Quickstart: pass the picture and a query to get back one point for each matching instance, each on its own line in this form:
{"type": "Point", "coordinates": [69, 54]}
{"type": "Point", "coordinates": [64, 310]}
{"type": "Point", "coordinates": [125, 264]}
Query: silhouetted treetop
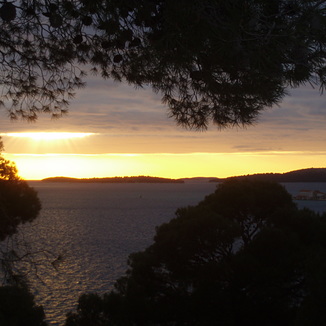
{"type": "Point", "coordinates": [219, 61]}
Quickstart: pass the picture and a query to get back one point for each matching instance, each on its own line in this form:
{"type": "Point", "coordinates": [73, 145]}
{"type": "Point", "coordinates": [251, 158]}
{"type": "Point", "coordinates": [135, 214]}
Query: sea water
{"type": "Point", "coordinates": [85, 232]}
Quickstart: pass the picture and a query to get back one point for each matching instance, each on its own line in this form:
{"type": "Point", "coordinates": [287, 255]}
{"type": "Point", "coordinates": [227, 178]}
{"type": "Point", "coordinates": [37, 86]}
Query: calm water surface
{"type": "Point", "coordinates": [85, 233]}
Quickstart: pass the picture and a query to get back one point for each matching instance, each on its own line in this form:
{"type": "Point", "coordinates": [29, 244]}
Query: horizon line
{"type": "Point", "coordinates": [197, 177]}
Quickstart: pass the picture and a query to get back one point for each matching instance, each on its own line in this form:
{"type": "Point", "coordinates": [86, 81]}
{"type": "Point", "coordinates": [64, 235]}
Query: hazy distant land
{"type": "Point", "coordinates": [136, 179]}
{"type": "Point", "coordinates": [303, 175]}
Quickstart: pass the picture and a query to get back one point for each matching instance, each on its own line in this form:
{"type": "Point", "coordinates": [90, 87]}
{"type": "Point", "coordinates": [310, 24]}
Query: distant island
{"type": "Point", "coordinates": [136, 179]}
{"type": "Point", "coordinates": [303, 175]}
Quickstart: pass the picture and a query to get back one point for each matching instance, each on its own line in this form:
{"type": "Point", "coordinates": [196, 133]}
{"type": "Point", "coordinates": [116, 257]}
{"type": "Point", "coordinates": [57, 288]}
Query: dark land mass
{"type": "Point", "coordinates": [136, 179]}
{"type": "Point", "coordinates": [304, 175]}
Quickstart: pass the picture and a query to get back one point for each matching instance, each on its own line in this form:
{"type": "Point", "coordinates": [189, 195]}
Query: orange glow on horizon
{"type": "Point", "coordinates": [40, 166]}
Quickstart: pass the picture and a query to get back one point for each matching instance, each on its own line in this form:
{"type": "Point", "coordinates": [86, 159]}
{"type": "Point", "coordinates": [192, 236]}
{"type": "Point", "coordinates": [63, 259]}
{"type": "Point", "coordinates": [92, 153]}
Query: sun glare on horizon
{"type": "Point", "coordinates": [50, 135]}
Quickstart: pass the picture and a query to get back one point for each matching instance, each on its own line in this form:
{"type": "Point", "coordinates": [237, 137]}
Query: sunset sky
{"type": "Point", "coordinates": [114, 130]}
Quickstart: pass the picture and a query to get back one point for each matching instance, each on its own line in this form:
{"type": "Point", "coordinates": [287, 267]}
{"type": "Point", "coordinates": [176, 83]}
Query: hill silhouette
{"type": "Point", "coordinates": [303, 175]}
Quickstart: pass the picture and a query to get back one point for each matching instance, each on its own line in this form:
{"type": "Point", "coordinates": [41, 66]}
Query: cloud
{"type": "Point", "coordinates": [305, 106]}
{"type": "Point", "coordinates": [128, 120]}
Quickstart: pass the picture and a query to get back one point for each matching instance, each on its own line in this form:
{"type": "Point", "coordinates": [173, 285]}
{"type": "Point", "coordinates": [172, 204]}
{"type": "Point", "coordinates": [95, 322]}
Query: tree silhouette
{"type": "Point", "coordinates": [19, 202]}
{"type": "Point", "coordinates": [219, 61]}
{"type": "Point", "coordinates": [17, 307]}
{"type": "Point", "coordinates": [245, 255]}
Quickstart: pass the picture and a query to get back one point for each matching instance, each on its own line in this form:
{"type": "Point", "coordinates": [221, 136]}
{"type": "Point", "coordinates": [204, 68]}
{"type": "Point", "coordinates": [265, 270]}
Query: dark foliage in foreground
{"type": "Point", "coordinates": [17, 308]}
{"type": "Point", "coordinates": [19, 202]}
{"type": "Point", "coordinates": [245, 255]}
{"type": "Point", "coordinates": [211, 61]}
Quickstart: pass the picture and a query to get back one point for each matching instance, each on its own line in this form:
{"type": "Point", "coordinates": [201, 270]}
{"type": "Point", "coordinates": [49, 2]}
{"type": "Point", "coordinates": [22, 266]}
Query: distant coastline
{"type": "Point", "coordinates": [303, 175]}
{"type": "Point", "coordinates": [135, 179]}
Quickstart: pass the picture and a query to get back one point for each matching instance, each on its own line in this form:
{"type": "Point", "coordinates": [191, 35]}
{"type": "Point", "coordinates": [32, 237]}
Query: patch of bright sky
{"type": "Point", "coordinates": [38, 166]}
{"type": "Point", "coordinates": [48, 135]}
